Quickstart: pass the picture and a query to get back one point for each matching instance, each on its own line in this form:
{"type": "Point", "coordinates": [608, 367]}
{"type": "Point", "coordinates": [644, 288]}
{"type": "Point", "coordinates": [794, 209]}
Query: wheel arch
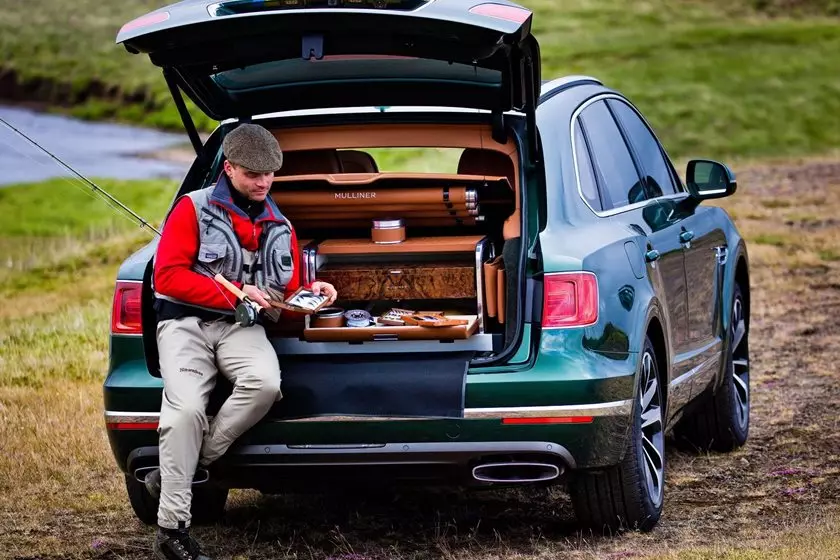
{"type": "Point", "coordinates": [655, 331]}
{"type": "Point", "coordinates": [742, 278]}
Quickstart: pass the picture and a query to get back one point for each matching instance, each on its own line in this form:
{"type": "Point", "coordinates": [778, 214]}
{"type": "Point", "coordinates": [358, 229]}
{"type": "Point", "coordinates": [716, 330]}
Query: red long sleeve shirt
{"type": "Point", "coordinates": [178, 251]}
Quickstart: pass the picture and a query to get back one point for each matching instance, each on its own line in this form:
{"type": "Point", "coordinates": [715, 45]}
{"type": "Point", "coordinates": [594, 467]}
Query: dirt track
{"type": "Point", "coordinates": [786, 476]}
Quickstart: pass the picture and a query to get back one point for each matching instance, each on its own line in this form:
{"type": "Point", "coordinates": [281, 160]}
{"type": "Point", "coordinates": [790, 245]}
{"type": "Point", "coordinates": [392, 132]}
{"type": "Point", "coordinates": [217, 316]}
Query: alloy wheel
{"type": "Point", "coordinates": [652, 433]}
{"type": "Point", "coordinates": [740, 363]}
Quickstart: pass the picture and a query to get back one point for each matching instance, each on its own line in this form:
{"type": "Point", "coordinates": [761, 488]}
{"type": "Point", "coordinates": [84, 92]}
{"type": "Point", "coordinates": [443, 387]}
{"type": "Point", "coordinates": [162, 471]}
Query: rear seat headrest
{"type": "Point", "coordinates": [476, 161]}
{"type": "Point", "coordinates": [357, 161]}
{"type": "Point", "coordinates": [310, 162]}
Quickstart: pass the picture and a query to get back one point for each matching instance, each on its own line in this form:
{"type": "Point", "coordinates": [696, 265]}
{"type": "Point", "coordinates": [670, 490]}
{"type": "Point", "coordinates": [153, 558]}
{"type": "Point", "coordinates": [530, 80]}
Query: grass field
{"type": "Point", "coordinates": [744, 77]}
{"type": "Point", "coordinates": [61, 495]}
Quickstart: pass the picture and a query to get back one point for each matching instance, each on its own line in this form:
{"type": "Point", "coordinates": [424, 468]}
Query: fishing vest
{"type": "Point", "coordinates": [220, 252]}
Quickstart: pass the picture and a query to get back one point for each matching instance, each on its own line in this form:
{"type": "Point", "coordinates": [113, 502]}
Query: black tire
{"type": "Point", "coordinates": [722, 421]}
{"type": "Point", "coordinates": [207, 508]}
{"type": "Point", "coordinates": [144, 505]}
{"type": "Point", "coordinates": [628, 495]}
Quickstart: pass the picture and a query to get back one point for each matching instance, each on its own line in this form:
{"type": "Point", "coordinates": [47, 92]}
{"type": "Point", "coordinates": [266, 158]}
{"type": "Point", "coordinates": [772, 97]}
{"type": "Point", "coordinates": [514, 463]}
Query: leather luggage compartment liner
{"type": "Point", "coordinates": [419, 198]}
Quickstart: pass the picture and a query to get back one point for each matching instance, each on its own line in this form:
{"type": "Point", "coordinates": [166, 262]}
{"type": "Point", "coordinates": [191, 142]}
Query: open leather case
{"type": "Point", "coordinates": [444, 273]}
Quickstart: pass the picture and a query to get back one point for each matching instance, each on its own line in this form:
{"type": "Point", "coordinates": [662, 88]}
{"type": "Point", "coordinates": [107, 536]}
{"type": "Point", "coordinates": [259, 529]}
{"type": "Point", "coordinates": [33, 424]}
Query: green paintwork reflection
{"type": "Point", "coordinates": [612, 343]}
{"type": "Point", "coordinates": [523, 353]}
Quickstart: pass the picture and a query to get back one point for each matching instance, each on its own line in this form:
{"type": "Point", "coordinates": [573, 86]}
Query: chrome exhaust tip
{"type": "Point", "coordinates": [516, 472]}
{"type": "Point", "coordinates": [202, 475]}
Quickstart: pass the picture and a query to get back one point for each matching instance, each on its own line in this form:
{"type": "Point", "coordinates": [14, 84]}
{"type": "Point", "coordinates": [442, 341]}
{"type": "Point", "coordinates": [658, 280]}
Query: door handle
{"type": "Point", "coordinates": [652, 255]}
{"type": "Point", "coordinates": [686, 236]}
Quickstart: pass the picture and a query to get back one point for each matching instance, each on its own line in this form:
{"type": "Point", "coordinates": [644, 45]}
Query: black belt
{"type": "Point", "coordinates": [170, 310]}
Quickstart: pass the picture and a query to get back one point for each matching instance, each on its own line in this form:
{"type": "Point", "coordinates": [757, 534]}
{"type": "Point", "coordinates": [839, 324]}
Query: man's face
{"type": "Point", "coordinates": [252, 184]}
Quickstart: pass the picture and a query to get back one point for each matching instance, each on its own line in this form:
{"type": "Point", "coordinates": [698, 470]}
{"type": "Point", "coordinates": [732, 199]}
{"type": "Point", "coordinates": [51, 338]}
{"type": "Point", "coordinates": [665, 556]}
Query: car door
{"type": "Point", "coordinates": [694, 233]}
{"type": "Point", "coordinates": [623, 196]}
{"type": "Point", "coordinates": [705, 254]}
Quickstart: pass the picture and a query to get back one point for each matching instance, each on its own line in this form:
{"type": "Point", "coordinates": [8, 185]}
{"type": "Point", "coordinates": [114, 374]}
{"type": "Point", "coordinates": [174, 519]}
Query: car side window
{"type": "Point", "coordinates": [617, 176]}
{"type": "Point", "coordinates": [586, 174]}
{"type": "Point", "coordinates": [647, 149]}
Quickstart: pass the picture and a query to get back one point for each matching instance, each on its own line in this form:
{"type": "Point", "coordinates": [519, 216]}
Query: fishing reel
{"type": "Point", "coordinates": [246, 313]}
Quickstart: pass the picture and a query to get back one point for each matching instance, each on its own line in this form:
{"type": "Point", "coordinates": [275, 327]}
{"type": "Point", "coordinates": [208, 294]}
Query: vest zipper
{"type": "Point", "coordinates": [232, 242]}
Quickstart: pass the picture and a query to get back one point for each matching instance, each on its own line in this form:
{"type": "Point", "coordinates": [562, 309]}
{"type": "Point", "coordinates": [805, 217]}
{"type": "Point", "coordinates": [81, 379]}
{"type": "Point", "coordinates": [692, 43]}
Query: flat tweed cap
{"type": "Point", "coordinates": [253, 147]}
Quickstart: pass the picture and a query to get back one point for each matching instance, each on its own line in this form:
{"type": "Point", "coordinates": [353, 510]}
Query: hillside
{"type": "Point", "coordinates": [738, 78]}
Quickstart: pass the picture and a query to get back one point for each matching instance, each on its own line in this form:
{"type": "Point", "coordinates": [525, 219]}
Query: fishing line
{"type": "Point", "coordinates": [111, 201]}
{"type": "Point", "coordinates": [143, 223]}
{"type": "Point", "coordinates": [77, 184]}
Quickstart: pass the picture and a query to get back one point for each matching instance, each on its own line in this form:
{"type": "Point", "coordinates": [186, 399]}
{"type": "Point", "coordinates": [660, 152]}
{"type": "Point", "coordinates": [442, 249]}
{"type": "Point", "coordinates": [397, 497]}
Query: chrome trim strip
{"type": "Point", "coordinates": [615, 408]}
{"type": "Point", "coordinates": [131, 417]}
{"type": "Point", "coordinates": [693, 372]}
{"type": "Point", "coordinates": [558, 82]}
{"type": "Point", "coordinates": [629, 207]}
{"type": "Point", "coordinates": [479, 282]}
{"type": "Point", "coordinates": [479, 342]}
{"type": "Point", "coordinates": [358, 418]}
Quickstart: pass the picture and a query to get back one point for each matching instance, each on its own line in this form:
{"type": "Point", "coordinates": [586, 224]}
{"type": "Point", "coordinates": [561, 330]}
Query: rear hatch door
{"type": "Point", "coordinates": [240, 58]}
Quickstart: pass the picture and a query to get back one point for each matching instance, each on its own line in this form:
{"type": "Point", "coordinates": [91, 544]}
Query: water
{"type": "Point", "coordinates": [96, 150]}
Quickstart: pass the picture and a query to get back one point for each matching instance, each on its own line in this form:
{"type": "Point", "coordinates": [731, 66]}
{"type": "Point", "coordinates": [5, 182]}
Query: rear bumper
{"type": "Point", "coordinates": [583, 407]}
{"type": "Point", "coordinates": [401, 448]}
{"type": "Point", "coordinates": [314, 467]}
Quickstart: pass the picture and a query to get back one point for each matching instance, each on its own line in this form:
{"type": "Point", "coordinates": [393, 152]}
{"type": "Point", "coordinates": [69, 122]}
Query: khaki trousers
{"type": "Point", "coordinates": [192, 352]}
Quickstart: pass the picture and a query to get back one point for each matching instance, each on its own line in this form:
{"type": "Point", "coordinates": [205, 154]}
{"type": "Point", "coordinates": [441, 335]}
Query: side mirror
{"type": "Point", "coordinates": [708, 179]}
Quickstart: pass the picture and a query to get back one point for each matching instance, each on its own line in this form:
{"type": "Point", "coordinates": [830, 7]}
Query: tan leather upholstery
{"type": "Point", "coordinates": [389, 176]}
{"type": "Point", "coordinates": [473, 137]}
{"type": "Point", "coordinates": [306, 162]}
{"type": "Point", "coordinates": [453, 244]}
{"type": "Point", "coordinates": [357, 161]}
{"type": "Point", "coordinates": [486, 162]}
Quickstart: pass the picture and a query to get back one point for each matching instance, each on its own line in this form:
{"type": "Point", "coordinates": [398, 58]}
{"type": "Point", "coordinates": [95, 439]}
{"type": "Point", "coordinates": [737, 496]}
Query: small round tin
{"type": "Point", "coordinates": [388, 231]}
{"type": "Point", "coordinates": [327, 317]}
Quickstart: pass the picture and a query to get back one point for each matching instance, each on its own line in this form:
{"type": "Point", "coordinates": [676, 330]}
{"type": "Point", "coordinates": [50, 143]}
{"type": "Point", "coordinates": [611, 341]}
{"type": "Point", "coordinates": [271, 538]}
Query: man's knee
{"type": "Point", "coordinates": [264, 384]}
{"type": "Point", "coordinates": [185, 414]}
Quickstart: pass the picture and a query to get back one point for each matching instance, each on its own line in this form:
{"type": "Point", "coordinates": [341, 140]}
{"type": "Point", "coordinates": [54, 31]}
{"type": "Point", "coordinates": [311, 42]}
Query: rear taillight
{"type": "Point", "coordinates": [125, 316]}
{"type": "Point", "coordinates": [132, 425]}
{"type": "Point", "coordinates": [500, 11]}
{"type": "Point", "coordinates": [570, 299]}
{"type": "Point", "coordinates": [143, 21]}
{"type": "Point", "coordinates": [548, 420]}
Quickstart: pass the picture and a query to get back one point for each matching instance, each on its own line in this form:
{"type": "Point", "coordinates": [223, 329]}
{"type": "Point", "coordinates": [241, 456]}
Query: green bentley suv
{"type": "Point", "coordinates": [545, 313]}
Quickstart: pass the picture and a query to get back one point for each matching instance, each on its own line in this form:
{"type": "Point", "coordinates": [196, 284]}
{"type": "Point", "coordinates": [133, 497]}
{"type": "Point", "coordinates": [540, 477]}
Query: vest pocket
{"type": "Point", "coordinates": [211, 252]}
{"type": "Point", "coordinates": [283, 265]}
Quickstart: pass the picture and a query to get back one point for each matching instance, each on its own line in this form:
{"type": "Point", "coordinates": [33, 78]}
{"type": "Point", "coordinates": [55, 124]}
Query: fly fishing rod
{"type": "Point", "coordinates": [246, 313]}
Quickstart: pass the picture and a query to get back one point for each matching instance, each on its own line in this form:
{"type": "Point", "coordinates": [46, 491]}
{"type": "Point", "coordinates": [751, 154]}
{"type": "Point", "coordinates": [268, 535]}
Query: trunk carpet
{"type": "Point", "coordinates": [414, 385]}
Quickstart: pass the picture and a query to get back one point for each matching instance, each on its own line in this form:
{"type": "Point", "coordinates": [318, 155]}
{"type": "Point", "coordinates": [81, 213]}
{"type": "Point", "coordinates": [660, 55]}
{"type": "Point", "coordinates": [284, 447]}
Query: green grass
{"type": "Point", "coordinates": [771, 239]}
{"type": "Point", "coordinates": [417, 160]}
{"type": "Point", "coordinates": [719, 79]}
{"type": "Point", "coordinates": [61, 207]}
{"type": "Point", "coordinates": [829, 255]}
{"type": "Point", "coordinates": [60, 227]}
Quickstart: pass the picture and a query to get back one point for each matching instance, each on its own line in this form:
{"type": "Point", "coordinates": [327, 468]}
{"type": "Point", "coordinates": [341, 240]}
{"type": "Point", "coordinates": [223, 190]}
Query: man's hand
{"type": "Point", "coordinates": [256, 295]}
{"type": "Point", "coordinates": [325, 288]}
